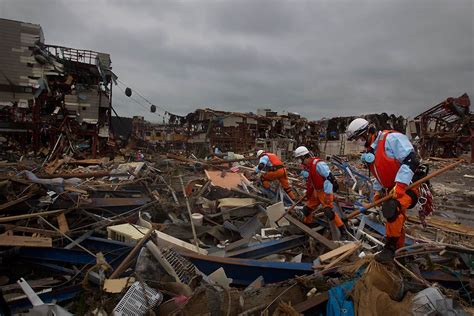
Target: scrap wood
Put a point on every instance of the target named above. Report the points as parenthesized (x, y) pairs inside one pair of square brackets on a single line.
[(257, 197), (117, 285), (94, 174), (51, 167), (75, 190), (8, 239), (165, 240), (62, 223), (236, 202), (336, 252), (126, 262), (328, 243), (341, 258), (43, 232), (25, 216), (445, 225), (311, 302), (19, 200)]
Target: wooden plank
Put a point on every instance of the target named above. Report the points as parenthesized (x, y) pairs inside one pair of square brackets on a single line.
[(336, 252), (44, 232), (53, 166), (24, 241), (237, 244), (328, 243), (17, 201), (25, 216), (62, 222), (311, 302), (341, 258)]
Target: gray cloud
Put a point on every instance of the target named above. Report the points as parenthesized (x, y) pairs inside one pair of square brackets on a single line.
[(317, 58)]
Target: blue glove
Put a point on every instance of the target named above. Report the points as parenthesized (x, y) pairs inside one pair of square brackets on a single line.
[(304, 174), (368, 158), (360, 207)]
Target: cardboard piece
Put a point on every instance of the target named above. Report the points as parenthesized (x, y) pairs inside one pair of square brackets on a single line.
[(117, 285)]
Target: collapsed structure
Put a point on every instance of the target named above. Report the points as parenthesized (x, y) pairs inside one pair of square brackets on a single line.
[(52, 98), (447, 129)]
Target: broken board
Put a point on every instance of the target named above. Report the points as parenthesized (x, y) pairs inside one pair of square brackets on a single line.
[(236, 202), (328, 243), (165, 240), (275, 212), (25, 241), (336, 252), (62, 222)]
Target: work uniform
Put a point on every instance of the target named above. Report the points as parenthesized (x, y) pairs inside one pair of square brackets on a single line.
[(390, 168), (319, 191), (274, 170)]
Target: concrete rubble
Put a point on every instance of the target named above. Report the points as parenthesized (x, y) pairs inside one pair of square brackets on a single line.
[(170, 219)]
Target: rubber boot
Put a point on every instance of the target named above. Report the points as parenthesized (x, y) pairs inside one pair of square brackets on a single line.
[(344, 234), (388, 252), (308, 219)]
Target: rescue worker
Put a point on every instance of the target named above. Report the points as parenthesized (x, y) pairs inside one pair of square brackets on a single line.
[(273, 169), (320, 186), (392, 161)]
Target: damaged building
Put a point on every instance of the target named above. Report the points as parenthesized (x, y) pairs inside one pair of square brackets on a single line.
[(445, 130), (53, 99)]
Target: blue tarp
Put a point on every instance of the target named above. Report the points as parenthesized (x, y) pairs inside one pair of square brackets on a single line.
[(339, 302)]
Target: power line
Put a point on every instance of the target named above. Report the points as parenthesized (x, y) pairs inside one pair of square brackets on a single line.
[(140, 95), (140, 104)]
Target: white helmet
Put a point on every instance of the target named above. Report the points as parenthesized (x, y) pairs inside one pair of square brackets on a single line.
[(356, 128), (259, 153), (301, 151)]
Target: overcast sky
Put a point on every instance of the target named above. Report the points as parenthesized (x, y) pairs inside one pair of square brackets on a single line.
[(317, 58)]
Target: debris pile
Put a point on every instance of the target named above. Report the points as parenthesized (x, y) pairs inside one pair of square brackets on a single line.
[(175, 235)]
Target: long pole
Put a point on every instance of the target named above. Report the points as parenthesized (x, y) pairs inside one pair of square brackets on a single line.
[(411, 186), (189, 213), (290, 209)]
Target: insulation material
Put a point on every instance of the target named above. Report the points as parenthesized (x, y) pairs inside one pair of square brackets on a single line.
[(236, 202)]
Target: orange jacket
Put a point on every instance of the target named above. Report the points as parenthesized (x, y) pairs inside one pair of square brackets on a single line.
[(384, 168)]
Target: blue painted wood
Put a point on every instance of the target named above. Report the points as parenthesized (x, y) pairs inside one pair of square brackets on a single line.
[(260, 250), (67, 255), (245, 271)]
